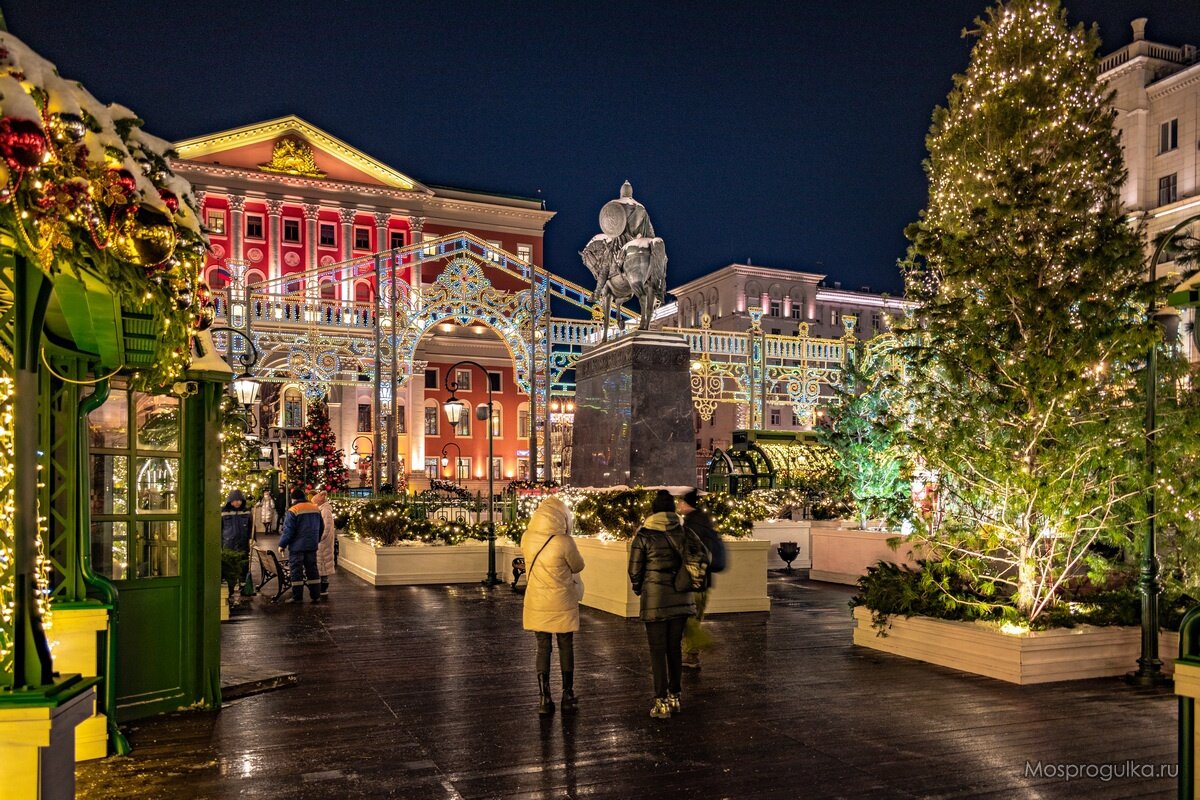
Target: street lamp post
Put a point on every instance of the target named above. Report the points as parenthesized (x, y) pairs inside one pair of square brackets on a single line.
[(457, 458), (1149, 671), (454, 411)]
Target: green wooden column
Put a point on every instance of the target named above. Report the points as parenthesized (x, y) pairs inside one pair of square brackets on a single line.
[(32, 666)]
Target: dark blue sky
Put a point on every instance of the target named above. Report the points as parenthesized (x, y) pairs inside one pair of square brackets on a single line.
[(788, 133)]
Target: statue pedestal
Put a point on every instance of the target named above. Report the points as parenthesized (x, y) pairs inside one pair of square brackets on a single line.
[(633, 413)]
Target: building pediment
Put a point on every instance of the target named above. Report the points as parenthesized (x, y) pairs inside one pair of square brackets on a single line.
[(291, 146)]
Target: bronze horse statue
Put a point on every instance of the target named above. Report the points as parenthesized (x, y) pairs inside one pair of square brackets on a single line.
[(635, 268)]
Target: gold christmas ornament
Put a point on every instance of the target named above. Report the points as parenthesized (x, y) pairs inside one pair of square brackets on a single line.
[(145, 239)]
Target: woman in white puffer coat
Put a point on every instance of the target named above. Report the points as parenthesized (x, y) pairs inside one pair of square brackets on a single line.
[(325, 560), (552, 594)]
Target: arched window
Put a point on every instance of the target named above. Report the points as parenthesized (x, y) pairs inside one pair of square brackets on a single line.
[(217, 278), (497, 420), (292, 410), (432, 417), (523, 420), (328, 291), (362, 292), (254, 276)]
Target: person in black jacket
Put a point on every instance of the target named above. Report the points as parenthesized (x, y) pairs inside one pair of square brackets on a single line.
[(654, 558), (235, 532), (698, 522)]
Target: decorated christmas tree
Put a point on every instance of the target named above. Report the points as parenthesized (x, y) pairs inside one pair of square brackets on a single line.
[(1027, 350), (239, 455), (316, 462)]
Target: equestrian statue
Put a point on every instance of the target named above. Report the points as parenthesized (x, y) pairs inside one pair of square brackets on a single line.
[(627, 259)]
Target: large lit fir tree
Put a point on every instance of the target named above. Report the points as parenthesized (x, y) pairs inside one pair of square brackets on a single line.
[(1028, 345), (315, 461)]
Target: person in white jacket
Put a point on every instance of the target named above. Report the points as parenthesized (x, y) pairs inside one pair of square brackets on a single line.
[(552, 594), (325, 546)]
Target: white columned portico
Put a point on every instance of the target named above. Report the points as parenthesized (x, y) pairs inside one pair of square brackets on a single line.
[(346, 215), (415, 390), (274, 214), (237, 205)]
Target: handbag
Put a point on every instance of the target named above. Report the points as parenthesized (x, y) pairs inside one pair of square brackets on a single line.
[(690, 576)]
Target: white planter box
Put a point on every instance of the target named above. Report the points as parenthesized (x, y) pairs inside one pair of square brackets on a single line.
[(1062, 654), (777, 531), (840, 555), (741, 587), (409, 564)]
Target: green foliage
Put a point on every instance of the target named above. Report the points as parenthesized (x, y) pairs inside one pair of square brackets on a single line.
[(1024, 357), (863, 430), (617, 514), (950, 590)]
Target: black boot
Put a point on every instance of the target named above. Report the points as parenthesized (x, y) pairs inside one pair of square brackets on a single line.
[(545, 701), (569, 703)]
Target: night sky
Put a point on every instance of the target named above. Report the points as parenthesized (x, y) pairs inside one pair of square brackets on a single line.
[(790, 134)]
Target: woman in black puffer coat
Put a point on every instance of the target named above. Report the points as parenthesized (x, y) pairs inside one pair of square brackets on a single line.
[(654, 558)]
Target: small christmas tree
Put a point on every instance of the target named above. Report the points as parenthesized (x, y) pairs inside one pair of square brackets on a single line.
[(1031, 335), (316, 462), (239, 455), (863, 430)]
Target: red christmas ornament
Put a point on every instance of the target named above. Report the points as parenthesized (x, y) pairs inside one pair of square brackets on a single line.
[(171, 201), (22, 143)]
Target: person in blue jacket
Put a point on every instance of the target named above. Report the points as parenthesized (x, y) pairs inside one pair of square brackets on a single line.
[(302, 530), (235, 532)]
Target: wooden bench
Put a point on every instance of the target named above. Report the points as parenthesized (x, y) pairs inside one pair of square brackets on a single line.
[(518, 567), (272, 570)]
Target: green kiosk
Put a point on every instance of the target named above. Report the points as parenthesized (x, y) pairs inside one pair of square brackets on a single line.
[(109, 460)]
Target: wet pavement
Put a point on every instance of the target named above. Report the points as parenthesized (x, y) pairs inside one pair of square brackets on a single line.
[(430, 692)]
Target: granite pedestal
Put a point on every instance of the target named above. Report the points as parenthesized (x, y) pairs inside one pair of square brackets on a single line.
[(633, 413)]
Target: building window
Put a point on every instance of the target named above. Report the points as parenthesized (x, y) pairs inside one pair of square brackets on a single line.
[(462, 380), (214, 220), (328, 234), (776, 308), (1168, 136), (293, 409), (463, 429), (362, 238), (775, 331), (463, 468), (523, 469), (835, 317), (497, 425), (795, 310), (795, 421), (254, 228), (495, 381), (430, 249), (431, 379), (135, 486), (431, 420), (291, 231), (876, 322), (497, 468), (775, 417), (525, 253), (432, 468), (401, 423), (1167, 190), (523, 422), (494, 249), (364, 417), (396, 240)]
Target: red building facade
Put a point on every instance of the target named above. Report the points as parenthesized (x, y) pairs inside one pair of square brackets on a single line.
[(283, 197)]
